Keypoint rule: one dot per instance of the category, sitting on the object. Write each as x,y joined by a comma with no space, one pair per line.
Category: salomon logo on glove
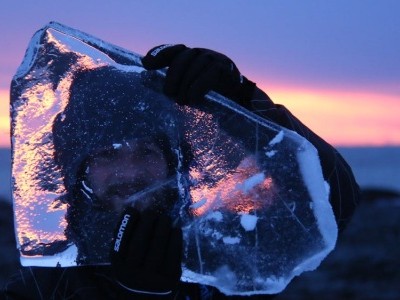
146,254
121,231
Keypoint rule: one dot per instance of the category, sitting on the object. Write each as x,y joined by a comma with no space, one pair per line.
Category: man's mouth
139,194
119,192
148,191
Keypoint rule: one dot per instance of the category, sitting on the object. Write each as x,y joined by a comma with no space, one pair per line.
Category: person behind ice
151,267
113,139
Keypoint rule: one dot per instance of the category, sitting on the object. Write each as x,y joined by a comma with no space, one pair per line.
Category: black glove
194,72
146,253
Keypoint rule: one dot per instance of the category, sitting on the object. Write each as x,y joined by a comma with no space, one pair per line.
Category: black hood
108,106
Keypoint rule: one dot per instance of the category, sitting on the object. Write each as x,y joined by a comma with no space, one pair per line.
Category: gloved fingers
173,257
150,246
140,240
198,66
177,71
161,56
125,227
157,249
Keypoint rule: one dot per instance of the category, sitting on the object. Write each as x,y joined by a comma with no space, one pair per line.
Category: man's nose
129,169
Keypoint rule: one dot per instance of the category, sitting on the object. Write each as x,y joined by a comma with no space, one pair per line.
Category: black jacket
96,282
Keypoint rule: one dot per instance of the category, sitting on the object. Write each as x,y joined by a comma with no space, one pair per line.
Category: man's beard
92,232
92,227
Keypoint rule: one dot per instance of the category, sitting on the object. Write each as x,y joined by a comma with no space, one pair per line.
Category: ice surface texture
253,204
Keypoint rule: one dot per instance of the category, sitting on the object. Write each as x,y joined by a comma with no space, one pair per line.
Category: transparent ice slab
253,204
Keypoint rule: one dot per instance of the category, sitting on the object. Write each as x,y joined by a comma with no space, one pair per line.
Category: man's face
118,172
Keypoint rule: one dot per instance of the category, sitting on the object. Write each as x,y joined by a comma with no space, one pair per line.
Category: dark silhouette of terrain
364,265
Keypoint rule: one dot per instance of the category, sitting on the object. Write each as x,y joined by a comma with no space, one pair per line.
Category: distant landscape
366,261
5,169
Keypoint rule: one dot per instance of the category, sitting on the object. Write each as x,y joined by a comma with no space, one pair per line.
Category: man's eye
105,155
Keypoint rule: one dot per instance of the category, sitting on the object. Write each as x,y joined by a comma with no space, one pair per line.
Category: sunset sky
335,65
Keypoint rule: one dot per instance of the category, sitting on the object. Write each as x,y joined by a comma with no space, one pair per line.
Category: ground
364,265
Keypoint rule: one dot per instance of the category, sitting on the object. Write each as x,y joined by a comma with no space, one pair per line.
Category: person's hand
193,72
146,253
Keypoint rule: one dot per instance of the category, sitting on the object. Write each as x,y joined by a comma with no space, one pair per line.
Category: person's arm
192,72
344,190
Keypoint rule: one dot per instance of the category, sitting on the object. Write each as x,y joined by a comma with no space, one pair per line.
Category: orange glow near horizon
343,118
4,118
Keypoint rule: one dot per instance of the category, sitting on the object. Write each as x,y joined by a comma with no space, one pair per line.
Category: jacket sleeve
344,190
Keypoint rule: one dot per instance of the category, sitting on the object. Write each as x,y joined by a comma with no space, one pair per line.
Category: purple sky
336,43
338,46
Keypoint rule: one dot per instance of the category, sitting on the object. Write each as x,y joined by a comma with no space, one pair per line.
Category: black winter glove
146,253
193,72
